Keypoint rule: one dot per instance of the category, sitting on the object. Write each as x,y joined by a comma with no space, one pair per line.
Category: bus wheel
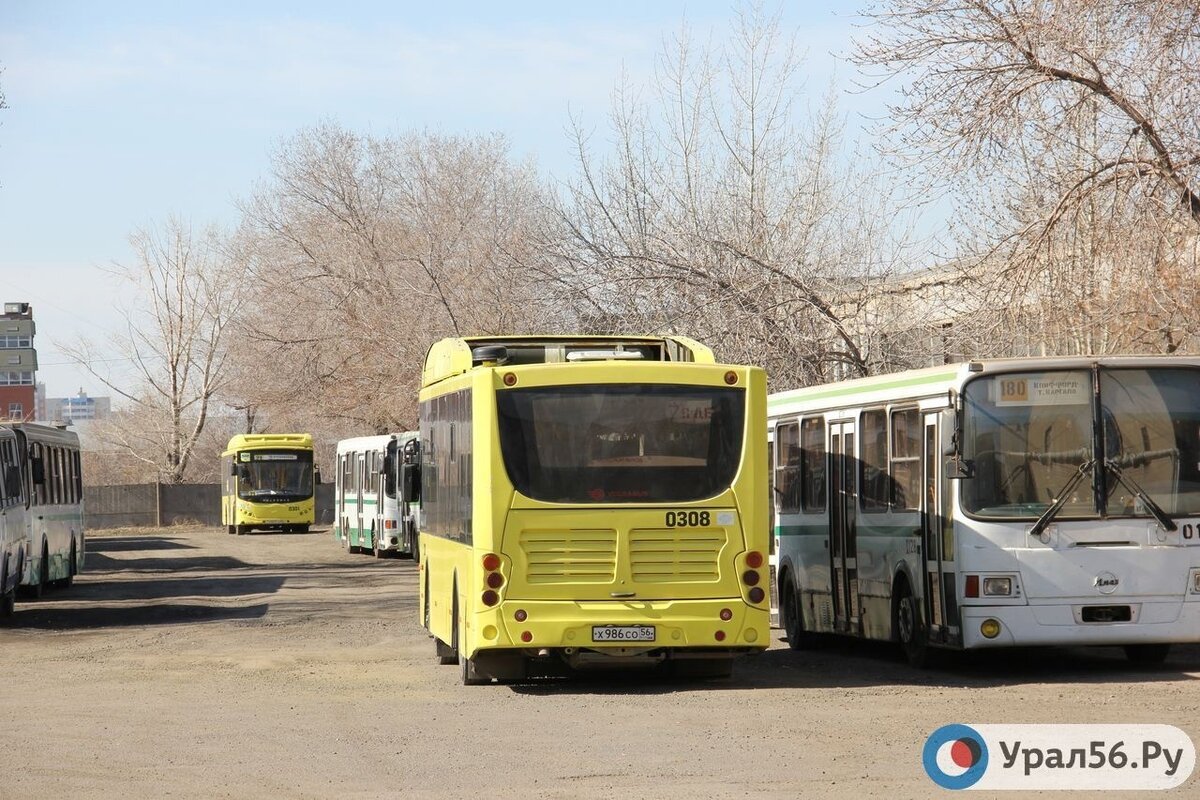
376,550
39,588
8,597
793,616
67,581
1147,654
448,653
231,529
470,675
909,630
349,547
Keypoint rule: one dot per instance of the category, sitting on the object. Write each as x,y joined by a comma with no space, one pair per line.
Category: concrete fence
159,504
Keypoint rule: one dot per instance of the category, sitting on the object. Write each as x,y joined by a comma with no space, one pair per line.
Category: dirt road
189,663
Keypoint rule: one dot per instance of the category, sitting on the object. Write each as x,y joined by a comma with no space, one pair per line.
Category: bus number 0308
687,519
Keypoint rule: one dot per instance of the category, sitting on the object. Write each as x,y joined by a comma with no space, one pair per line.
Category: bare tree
364,251
1070,131
184,292
725,213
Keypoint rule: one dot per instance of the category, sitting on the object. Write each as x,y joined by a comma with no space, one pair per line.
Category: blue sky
123,113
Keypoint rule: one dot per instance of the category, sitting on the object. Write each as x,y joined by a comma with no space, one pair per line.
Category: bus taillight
726,614
520,615
754,559
490,598
495,580
971,586
491,562
750,577
756,595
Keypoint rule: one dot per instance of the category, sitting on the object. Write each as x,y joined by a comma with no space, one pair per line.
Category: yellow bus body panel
685,610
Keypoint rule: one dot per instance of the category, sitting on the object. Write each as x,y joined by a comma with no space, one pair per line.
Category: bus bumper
676,625
1151,622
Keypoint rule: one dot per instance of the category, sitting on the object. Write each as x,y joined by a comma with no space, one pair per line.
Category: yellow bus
591,501
268,482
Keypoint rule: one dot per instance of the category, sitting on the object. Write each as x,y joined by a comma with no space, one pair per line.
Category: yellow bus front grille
574,556
684,554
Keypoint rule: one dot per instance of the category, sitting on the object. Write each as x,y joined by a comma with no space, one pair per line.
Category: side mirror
959,468
38,468
233,468
410,482
317,475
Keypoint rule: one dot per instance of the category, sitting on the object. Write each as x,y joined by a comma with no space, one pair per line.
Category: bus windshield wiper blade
1162,517
1050,513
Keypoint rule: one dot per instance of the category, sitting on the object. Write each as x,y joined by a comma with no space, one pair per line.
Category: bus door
842,527
936,539
360,485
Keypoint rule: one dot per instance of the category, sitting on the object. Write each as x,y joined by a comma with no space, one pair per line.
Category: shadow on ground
64,618
851,664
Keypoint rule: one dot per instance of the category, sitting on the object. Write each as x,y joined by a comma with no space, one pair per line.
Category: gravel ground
189,663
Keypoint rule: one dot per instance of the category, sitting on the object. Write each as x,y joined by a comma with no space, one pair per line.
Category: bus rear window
613,443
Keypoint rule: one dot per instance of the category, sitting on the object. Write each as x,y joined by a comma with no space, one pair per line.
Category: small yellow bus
591,501
268,481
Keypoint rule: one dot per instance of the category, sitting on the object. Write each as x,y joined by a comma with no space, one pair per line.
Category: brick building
18,363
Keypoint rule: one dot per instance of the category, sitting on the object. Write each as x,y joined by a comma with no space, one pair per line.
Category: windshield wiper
1050,513
1162,517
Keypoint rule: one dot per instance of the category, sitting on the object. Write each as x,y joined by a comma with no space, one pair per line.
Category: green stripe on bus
861,530
838,390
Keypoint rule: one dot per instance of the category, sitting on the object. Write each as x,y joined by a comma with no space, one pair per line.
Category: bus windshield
1029,433
609,443
275,475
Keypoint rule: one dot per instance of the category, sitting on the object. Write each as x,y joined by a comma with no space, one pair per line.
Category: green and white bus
42,512
374,511
1048,501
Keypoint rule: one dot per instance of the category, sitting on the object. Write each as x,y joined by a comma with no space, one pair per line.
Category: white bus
42,513
1048,501
374,511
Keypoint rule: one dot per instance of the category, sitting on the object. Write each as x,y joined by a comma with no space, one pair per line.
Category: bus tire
470,674
70,578
1146,655
240,530
909,630
231,529
38,589
791,610
303,528
376,550
8,595
448,653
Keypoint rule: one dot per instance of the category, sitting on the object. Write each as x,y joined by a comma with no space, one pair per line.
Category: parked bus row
375,496
604,500
41,511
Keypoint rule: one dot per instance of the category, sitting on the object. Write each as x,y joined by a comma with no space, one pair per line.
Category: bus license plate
622,633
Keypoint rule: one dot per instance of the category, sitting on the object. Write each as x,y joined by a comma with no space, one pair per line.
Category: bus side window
812,464
787,467
873,467
906,460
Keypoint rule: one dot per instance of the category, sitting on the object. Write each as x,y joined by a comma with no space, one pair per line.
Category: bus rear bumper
674,625
1151,622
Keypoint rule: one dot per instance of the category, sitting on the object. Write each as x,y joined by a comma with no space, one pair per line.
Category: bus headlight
997,587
